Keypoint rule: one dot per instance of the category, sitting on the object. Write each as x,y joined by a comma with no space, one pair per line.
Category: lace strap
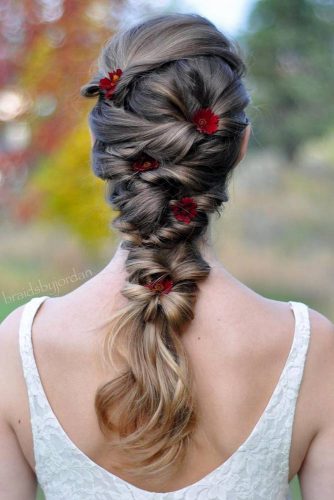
292,373
295,369
302,334
30,371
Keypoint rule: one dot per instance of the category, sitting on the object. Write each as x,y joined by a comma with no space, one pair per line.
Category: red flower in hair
144,164
206,121
162,286
109,84
185,209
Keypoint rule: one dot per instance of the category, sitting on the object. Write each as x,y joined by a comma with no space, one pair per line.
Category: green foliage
70,191
291,71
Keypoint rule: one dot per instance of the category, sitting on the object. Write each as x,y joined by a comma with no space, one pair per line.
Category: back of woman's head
167,138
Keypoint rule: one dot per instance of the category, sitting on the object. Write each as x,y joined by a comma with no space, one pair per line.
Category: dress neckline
205,479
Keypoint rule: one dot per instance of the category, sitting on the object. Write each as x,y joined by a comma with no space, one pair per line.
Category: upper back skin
237,345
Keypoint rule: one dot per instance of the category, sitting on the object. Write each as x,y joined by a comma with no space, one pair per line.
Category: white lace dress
257,470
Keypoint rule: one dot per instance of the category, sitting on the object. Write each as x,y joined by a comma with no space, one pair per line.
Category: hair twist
172,66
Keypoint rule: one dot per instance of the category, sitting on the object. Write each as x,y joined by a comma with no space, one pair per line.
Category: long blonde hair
172,66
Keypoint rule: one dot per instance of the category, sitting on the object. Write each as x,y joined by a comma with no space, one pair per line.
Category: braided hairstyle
172,66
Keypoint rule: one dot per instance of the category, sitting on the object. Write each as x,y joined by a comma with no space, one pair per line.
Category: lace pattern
257,470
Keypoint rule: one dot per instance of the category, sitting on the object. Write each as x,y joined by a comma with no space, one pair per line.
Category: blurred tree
70,193
290,45
49,50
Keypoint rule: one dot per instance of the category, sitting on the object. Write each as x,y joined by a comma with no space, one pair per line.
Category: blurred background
276,233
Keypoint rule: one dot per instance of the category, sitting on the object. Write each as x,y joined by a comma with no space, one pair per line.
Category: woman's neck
208,253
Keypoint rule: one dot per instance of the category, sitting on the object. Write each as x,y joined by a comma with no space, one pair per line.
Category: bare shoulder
316,474
9,355
10,321
9,335
321,363
321,326
322,338
13,463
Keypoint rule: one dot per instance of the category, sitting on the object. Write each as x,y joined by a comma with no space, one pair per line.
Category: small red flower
144,164
161,286
206,121
109,84
185,209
